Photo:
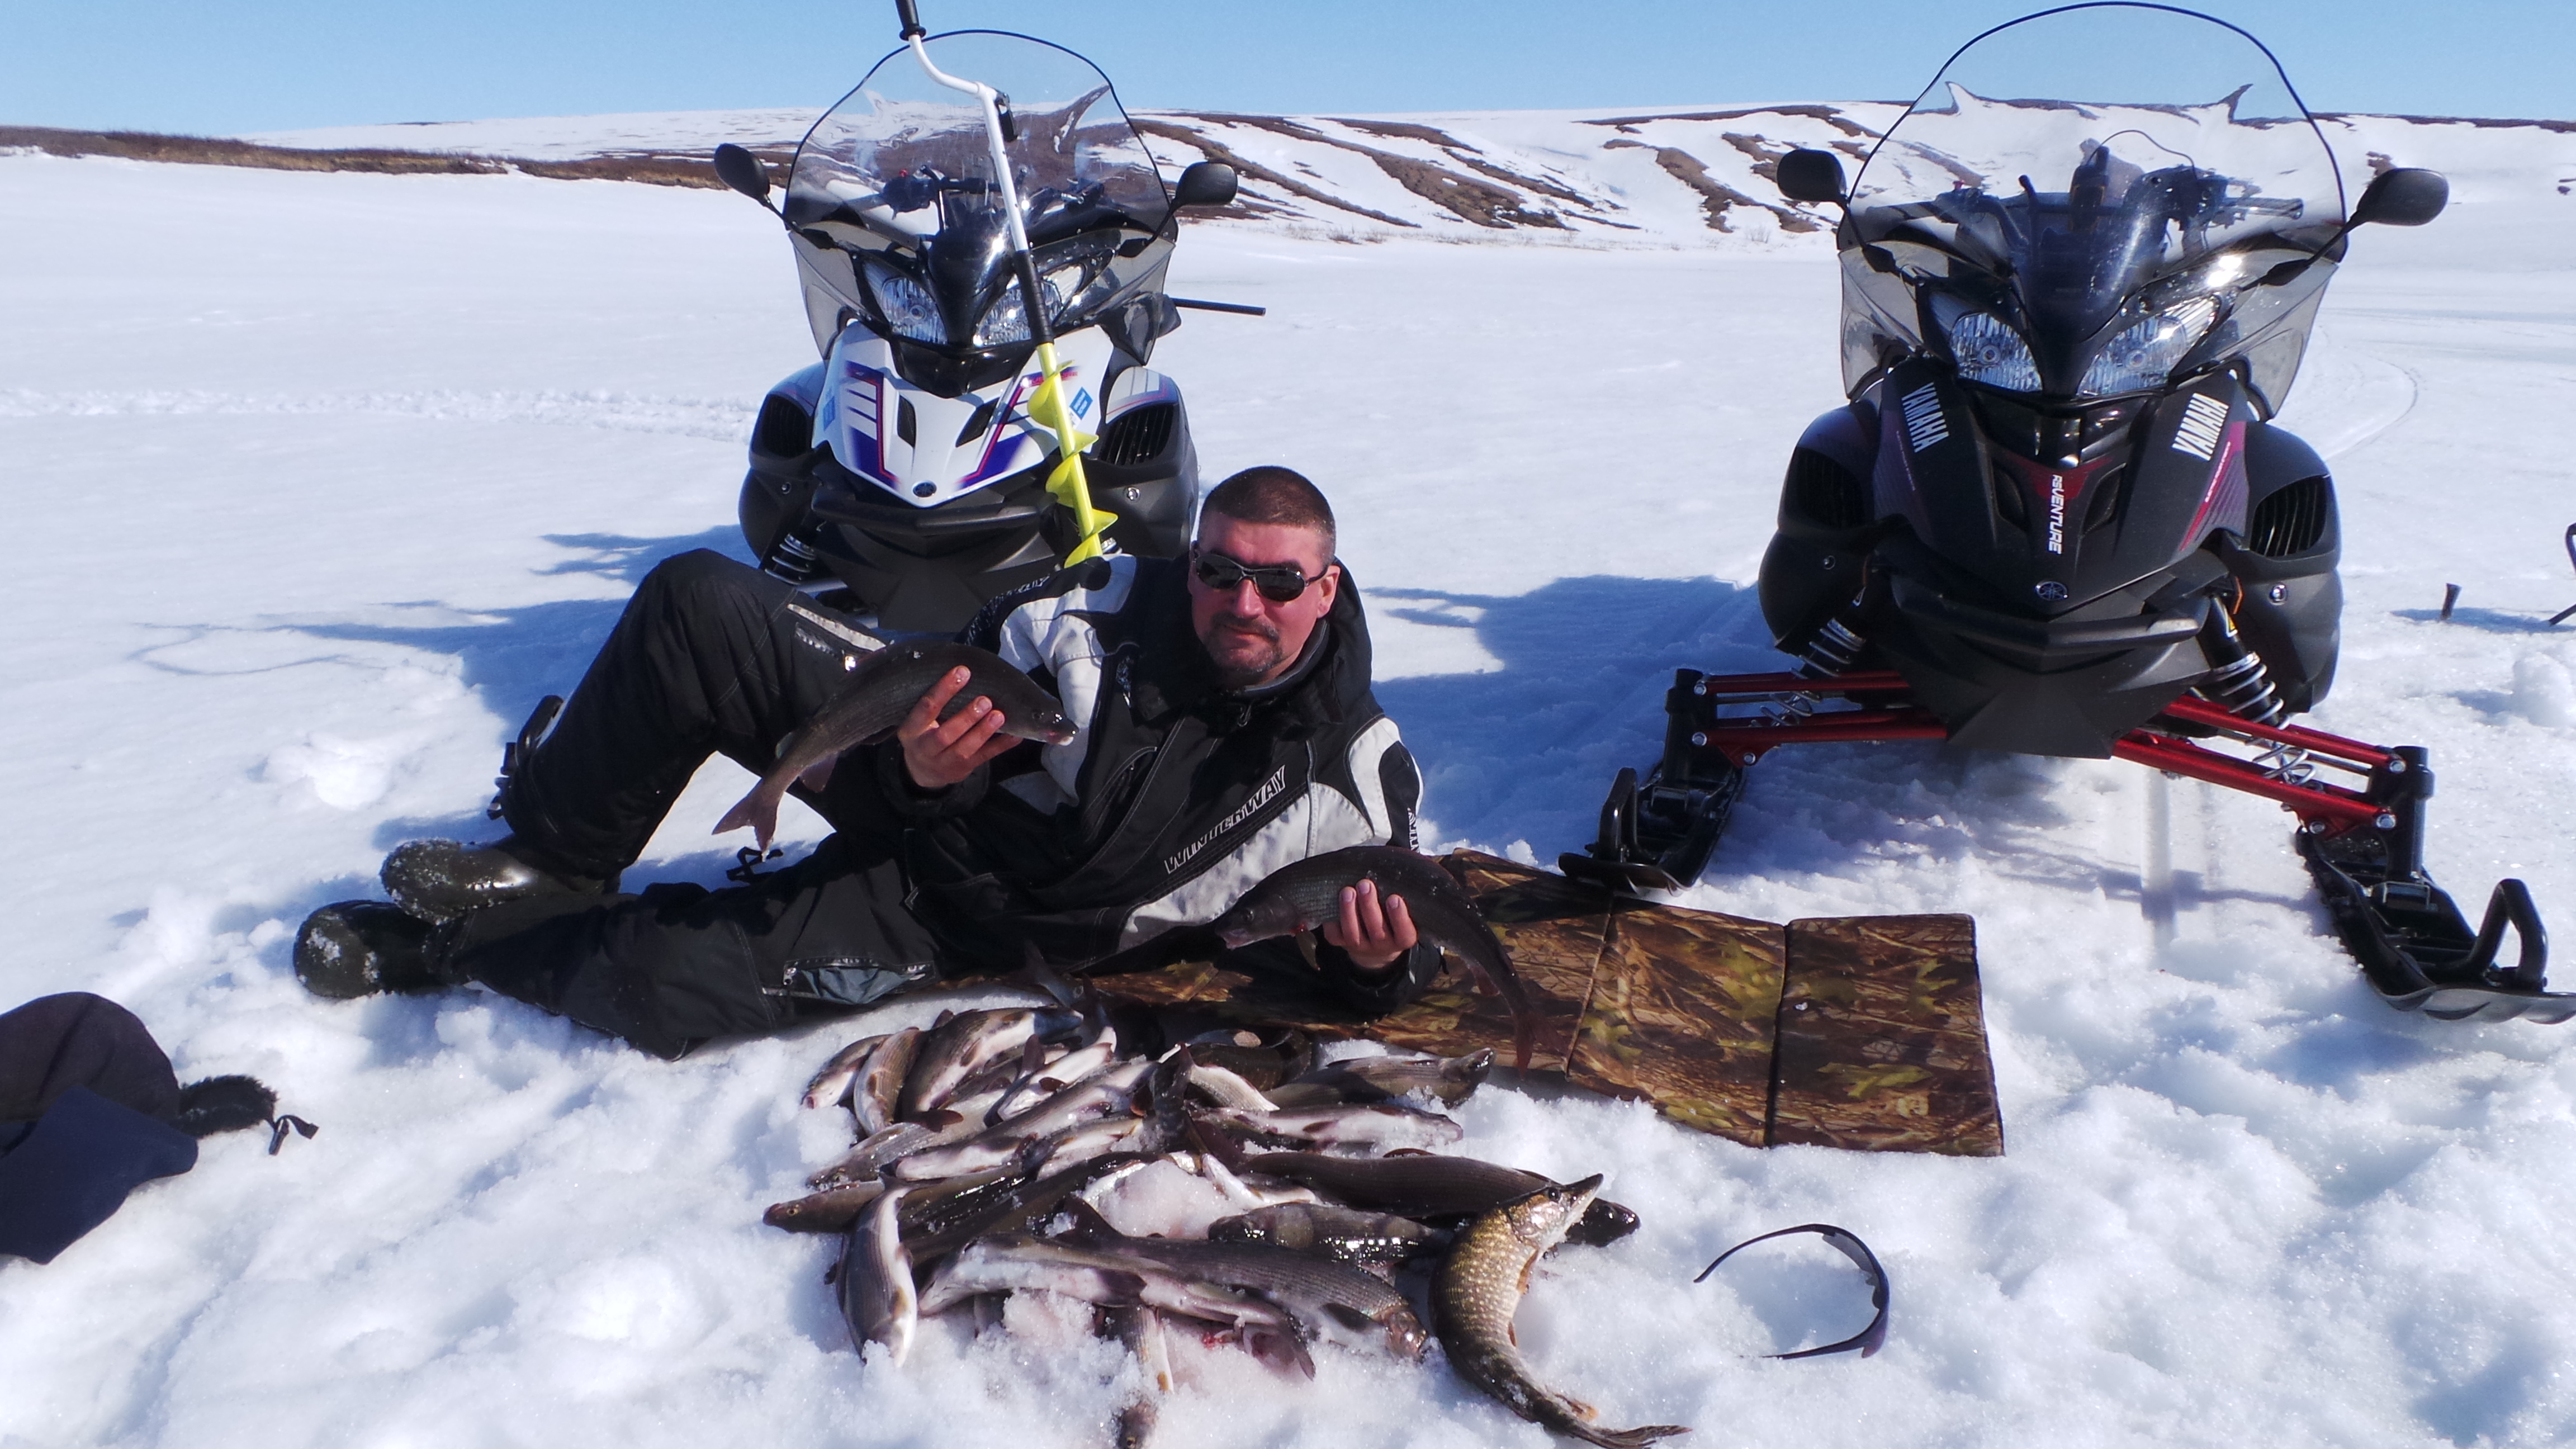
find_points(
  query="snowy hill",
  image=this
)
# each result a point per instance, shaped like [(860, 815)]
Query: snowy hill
[(1687, 176), (319, 480)]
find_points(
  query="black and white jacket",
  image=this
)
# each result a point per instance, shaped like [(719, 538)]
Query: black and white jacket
[(1175, 795)]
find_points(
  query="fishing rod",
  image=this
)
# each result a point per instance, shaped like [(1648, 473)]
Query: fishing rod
[(1047, 406)]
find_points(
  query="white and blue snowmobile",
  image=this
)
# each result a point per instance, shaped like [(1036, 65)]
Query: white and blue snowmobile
[(2055, 516), (910, 468)]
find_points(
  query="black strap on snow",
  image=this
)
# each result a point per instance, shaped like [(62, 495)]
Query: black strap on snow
[(282, 1125), (1869, 1340)]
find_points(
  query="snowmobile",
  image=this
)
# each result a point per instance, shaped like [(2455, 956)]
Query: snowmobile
[(982, 263), (2055, 516)]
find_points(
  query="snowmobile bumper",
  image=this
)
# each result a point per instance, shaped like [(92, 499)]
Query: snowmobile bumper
[(2363, 841)]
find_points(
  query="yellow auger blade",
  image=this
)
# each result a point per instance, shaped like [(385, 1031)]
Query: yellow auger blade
[(1067, 484)]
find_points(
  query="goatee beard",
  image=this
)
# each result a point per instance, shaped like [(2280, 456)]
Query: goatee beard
[(1245, 675)]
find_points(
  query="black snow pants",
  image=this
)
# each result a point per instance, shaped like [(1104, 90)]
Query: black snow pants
[(710, 657)]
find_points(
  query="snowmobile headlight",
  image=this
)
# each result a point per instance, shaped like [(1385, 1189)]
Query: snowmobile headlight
[(1989, 351), (1007, 320), (906, 305), (2143, 355)]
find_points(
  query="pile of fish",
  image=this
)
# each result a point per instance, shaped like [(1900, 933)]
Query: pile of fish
[(1228, 1187)]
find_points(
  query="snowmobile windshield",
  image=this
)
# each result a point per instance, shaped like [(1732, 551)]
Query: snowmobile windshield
[(899, 177), (2092, 201)]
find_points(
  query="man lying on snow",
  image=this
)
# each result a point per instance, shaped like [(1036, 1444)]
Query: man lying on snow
[(1224, 729)]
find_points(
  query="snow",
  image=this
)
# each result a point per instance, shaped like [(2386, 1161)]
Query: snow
[(320, 480)]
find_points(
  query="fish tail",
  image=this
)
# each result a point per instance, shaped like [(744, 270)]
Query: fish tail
[(759, 810)]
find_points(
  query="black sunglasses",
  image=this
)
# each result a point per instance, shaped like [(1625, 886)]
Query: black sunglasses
[(1279, 583)]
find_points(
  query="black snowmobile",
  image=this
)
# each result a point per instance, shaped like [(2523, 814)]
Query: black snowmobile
[(2055, 516), (911, 466)]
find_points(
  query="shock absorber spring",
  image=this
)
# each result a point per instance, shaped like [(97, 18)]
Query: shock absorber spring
[(1830, 652), (2237, 682), (794, 559)]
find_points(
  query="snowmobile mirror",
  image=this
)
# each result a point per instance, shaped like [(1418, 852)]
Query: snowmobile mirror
[(1810, 176), (1205, 183), (2405, 196), (742, 171)]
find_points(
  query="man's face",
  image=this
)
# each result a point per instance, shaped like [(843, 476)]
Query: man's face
[(1252, 639)]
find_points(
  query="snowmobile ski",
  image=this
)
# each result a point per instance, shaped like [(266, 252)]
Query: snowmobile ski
[(2362, 837)]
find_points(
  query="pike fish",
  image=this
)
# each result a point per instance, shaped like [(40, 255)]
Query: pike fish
[(1304, 896), (875, 697), (1478, 1290), (1425, 1186)]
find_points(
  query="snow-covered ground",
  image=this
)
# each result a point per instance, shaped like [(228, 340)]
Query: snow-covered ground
[(318, 481)]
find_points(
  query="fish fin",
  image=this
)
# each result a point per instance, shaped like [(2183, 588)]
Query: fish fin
[(1347, 1316), (1635, 1438), (1279, 1352), (1126, 1289), (759, 810), (1089, 1227)]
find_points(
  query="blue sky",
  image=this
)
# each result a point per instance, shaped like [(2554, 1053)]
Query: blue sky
[(253, 65)]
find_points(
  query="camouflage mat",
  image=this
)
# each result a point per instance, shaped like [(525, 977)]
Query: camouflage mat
[(1860, 1032)]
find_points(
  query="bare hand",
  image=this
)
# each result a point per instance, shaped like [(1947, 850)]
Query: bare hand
[(1371, 931), (937, 755)]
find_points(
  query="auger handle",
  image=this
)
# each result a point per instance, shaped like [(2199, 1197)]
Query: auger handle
[(910, 14)]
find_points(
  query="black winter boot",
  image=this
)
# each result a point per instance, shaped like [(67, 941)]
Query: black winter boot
[(440, 880), (359, 948)]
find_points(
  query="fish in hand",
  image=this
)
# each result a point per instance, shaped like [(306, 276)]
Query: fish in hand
[(1302, 897), (876, 697), (1477, 1292)]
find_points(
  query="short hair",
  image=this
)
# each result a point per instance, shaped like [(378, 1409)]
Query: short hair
[(1272, 494)]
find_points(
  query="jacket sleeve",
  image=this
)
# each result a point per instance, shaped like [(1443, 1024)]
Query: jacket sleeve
[(1377, 992)]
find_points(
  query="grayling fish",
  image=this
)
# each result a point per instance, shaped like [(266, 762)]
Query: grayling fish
[(1011, 1208), (880, 1079), (1048, 1078), (877, 1294), (1141, 1330), (1109, 1093), (1304, 896), (1367, 1079), (880, 1150), (832, 1083), (1329, 1299), (1224, 1087), (1420, 1185), (1478, 1290), (969, 1042), (875, 697), (1376, 1126), (1010, 1262), (1345, 1234), (833, 1210)]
